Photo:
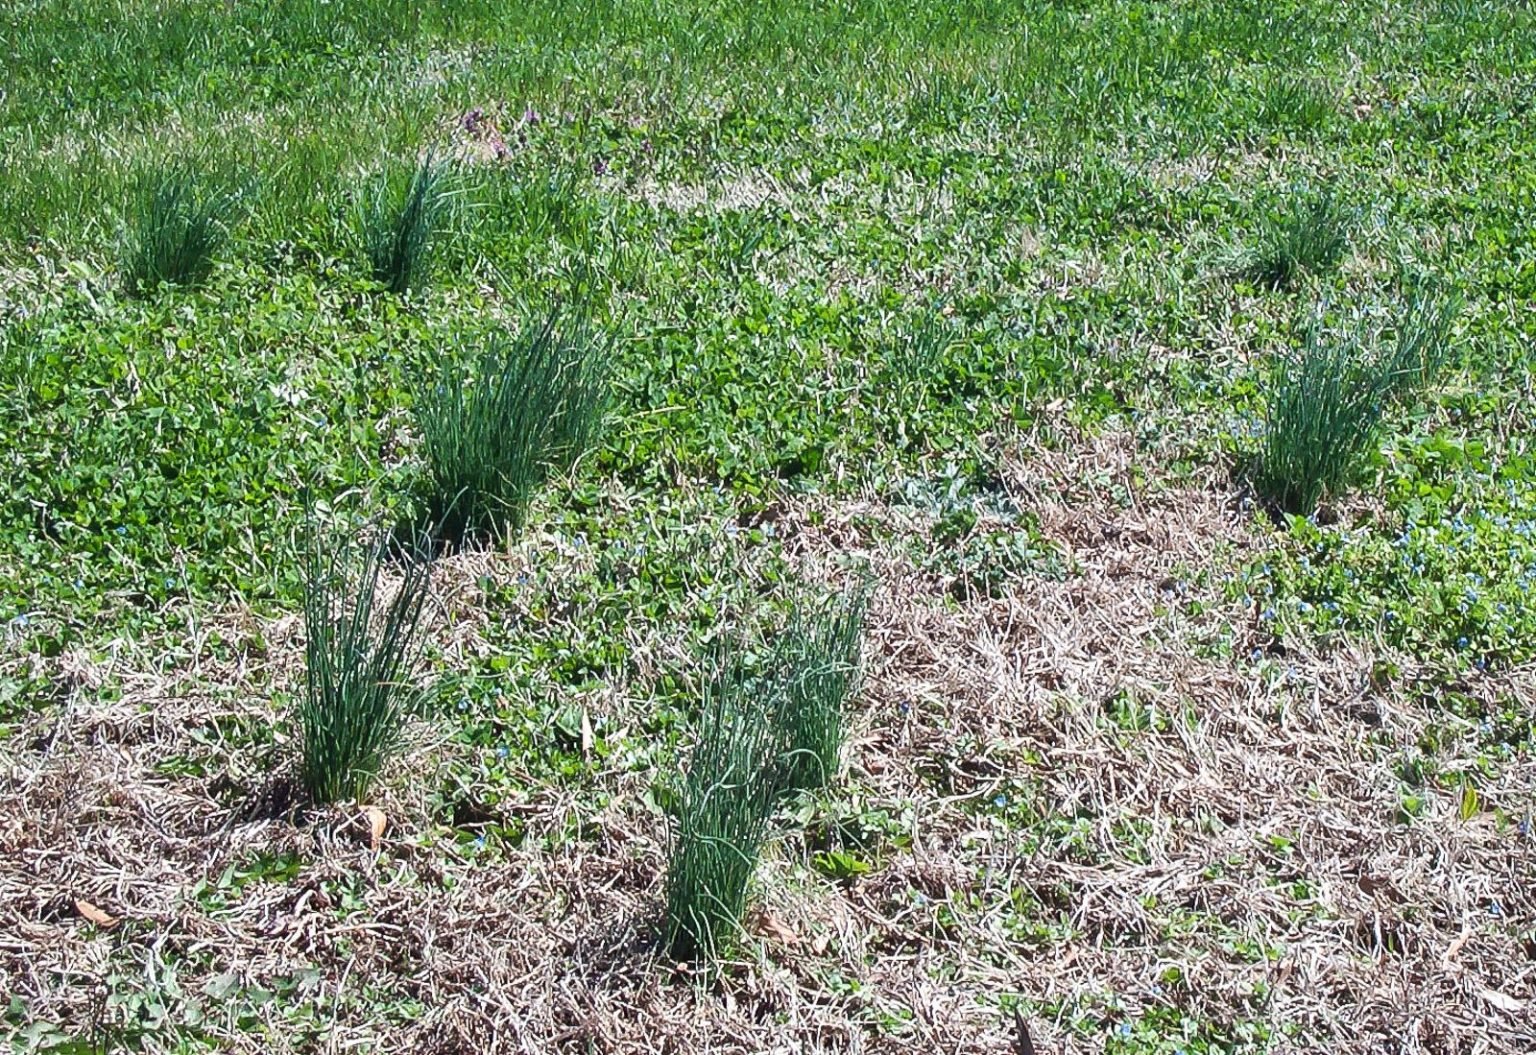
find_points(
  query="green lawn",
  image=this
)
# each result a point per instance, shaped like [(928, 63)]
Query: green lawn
[(975, 304)]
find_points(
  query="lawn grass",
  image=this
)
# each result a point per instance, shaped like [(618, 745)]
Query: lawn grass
[(936, 295)]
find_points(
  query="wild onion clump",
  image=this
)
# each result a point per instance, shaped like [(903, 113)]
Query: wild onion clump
[(1293, 104), (814, 665), (1422, 345), (1325, 407), (1326, 403), (722, 821), (915, 364), (533, 405), (1311, 238), (175, 227), (400, 223), (361, 641)]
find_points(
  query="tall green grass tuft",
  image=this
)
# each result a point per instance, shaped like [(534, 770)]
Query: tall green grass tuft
[(533, 404), (1421, 348), (1325, 407), (361, 641), (1326, 403), (1311, 238), (722, 820), (175, 226), (1290, 103), (815, 664), (400, 222)]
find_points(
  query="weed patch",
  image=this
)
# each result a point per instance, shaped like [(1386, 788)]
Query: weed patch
[(175, 227)]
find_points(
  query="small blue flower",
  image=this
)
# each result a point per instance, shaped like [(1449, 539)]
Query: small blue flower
[(122, 530), (1461, 642), (904, 707), (479, 842), (79, 584), (999, 800), (20, 620), (503, 751), (1495, 909), (464, 705), (1125, 1029), (1525, 826)]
